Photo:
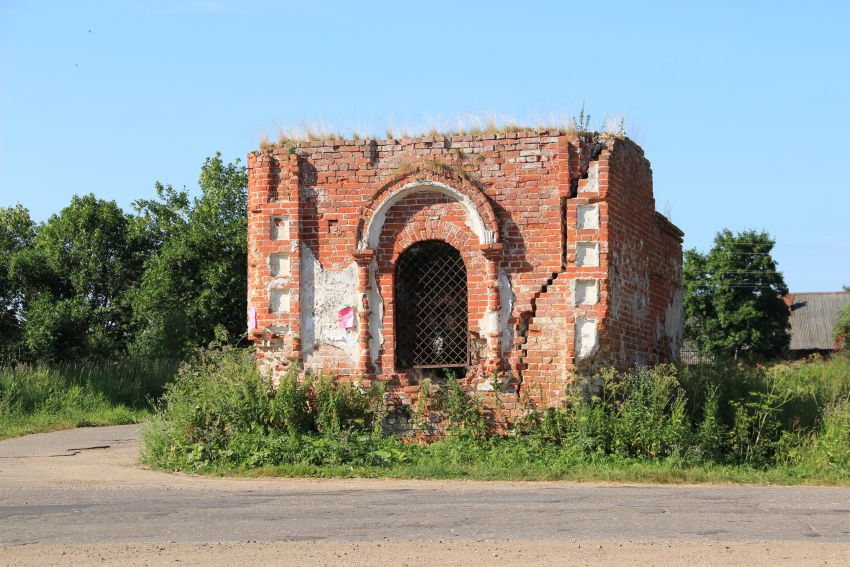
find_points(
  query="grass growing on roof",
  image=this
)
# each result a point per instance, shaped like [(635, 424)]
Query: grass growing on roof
[(474, 124)]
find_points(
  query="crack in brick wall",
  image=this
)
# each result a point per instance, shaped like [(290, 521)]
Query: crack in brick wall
[(570, 268)]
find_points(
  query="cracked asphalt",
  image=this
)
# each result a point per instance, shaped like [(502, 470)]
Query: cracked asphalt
[(82, 487)]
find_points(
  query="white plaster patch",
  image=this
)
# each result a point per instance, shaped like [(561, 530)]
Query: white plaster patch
[(474, 220), (376, 318), (279, 229), (323, 294), (506, 307), (587, 339), (279, 264), (497, 321), (592, 185), (587, 254), (280, 300), (586, 292), (489, 323), (588, 216)]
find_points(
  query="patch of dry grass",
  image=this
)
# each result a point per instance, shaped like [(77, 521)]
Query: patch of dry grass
[(473, 124)]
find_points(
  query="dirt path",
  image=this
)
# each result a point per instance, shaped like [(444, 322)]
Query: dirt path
[(77, 497)]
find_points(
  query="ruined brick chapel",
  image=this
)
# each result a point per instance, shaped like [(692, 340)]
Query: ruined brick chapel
[(520, 260)]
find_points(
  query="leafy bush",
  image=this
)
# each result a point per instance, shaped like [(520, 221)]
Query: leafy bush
[(841, 332), (462, 413), (649, 413), (221, 413), (638, 414), (220, 409), (710, 433), (760, 409)]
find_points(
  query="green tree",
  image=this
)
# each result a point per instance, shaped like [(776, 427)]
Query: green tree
[(733, 298), (17, 232), (196, 281), (77, 279)]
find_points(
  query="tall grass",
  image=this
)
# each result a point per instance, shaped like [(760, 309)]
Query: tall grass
[(473, 124), (784, 423), (43, 397)]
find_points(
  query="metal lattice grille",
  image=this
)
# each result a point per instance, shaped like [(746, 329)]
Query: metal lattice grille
[(431, 307)]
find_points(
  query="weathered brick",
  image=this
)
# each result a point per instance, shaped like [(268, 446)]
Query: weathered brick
[(531, 214)]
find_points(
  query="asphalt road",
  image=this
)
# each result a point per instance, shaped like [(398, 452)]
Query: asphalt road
[(82, 486), (78, 497)]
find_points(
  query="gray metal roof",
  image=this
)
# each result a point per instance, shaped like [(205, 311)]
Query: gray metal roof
[(813, 316)]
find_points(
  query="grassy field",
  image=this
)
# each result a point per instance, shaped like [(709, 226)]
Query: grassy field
[(786, 423), (38, 398)]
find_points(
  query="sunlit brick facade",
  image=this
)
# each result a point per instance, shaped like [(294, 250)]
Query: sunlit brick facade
[(568, 266)]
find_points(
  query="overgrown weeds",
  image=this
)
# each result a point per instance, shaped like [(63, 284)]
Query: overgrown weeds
[(43, 397), (220, 409), (786, 423)]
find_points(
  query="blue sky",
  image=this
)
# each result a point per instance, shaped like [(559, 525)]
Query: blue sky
[(742, 107)]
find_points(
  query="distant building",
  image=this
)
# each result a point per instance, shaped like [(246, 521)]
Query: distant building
[(813, 317)]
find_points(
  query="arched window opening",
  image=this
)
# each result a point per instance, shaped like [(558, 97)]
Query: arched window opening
[(431, 307)]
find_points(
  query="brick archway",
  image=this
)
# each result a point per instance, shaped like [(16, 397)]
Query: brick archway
[(481, 218), (434, 229), (383, 281), (473, 230)]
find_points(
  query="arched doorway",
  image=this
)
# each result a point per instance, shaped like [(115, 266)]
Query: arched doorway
[(431, 308)]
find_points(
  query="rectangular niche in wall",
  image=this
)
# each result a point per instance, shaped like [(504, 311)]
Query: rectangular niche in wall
[(587, 292), (588, 216), (586, 337), (587, 254), (279, 264), (279, 299), (279, 229)]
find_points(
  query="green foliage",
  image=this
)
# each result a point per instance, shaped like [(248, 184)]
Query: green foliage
[(17, 232), (709, 441), (582, 122), (95, 282), (461, 412), (291, 406), (76, 280), (423, 407), (37, 398), (638, 414), (195, 281), (829, 449), (841, 332), (220, 403), (344, 406), (733, 298), (788, 422), (650, 419)]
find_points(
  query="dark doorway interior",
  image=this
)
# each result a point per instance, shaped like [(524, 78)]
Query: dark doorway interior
[(431, 315)]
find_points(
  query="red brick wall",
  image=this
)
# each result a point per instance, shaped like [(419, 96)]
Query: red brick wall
[(645, 265), (551, 214)]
